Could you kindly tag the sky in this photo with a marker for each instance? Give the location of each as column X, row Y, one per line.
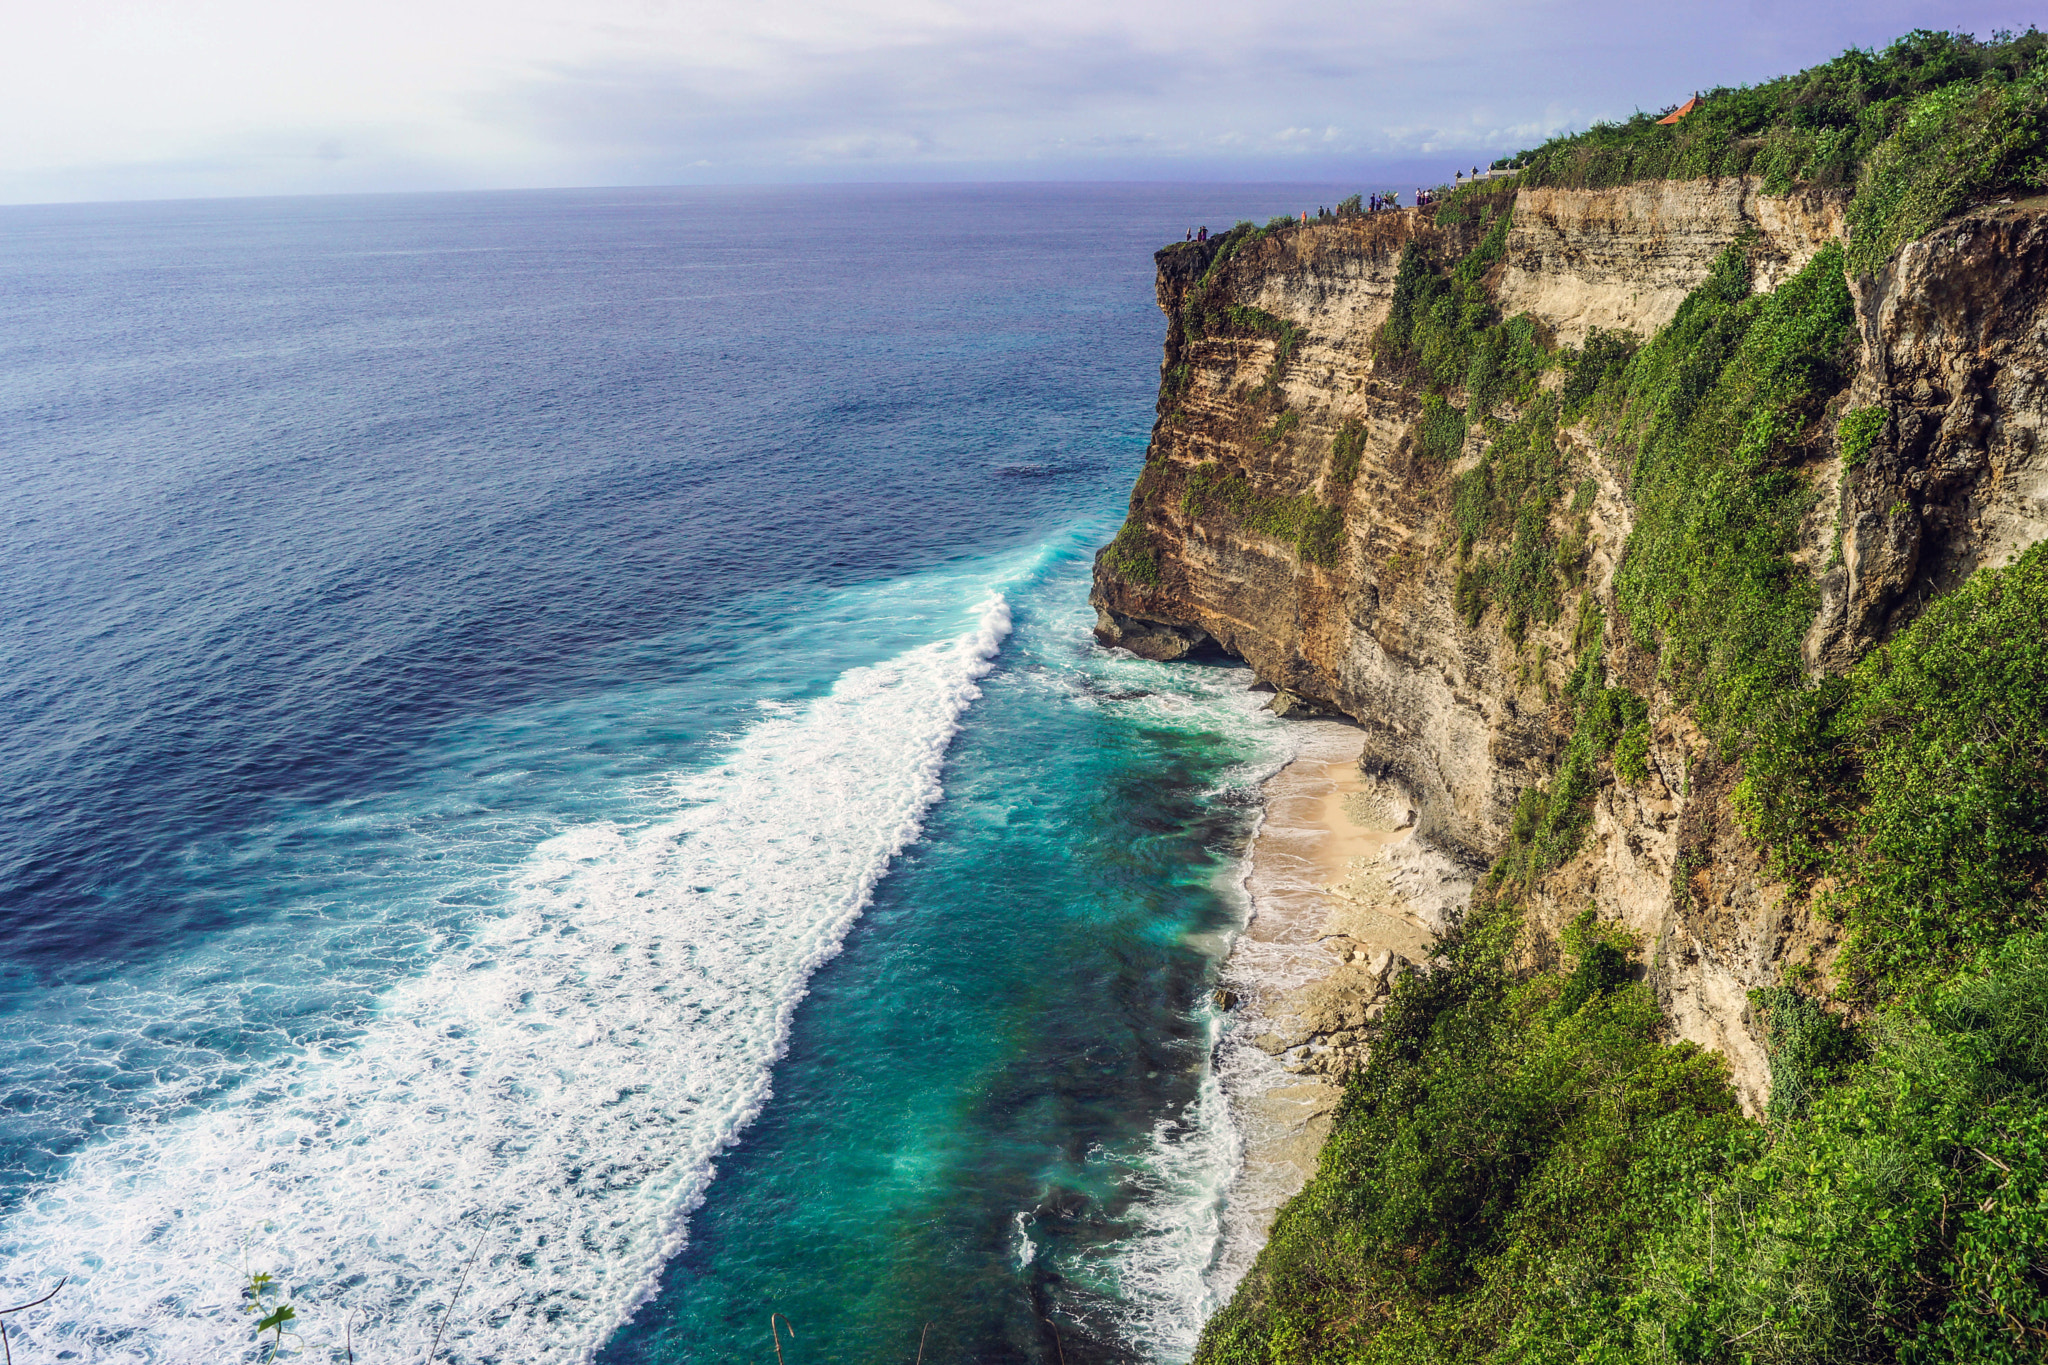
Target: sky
column 140, row 99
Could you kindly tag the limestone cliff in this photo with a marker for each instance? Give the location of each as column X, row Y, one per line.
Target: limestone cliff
column 1280, row 406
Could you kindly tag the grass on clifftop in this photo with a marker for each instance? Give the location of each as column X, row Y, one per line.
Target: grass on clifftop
column 1926, row 127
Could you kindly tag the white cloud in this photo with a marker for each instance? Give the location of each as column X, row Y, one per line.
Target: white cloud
column 121, row 98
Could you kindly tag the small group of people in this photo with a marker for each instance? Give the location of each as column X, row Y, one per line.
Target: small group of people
column 1378, row 203
column 1352, row 207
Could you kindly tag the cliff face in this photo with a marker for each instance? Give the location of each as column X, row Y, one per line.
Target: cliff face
column 1627, row 257
column 1955, row 348
column 1458, row 717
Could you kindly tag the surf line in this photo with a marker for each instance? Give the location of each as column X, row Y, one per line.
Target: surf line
column 547, row 1099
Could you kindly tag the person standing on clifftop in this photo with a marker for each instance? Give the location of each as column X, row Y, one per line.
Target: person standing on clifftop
column 1203, row 235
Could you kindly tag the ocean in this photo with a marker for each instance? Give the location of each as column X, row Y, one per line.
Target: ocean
column 558, row 797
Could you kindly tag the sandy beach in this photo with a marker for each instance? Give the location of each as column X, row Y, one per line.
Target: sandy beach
column 1344, row 898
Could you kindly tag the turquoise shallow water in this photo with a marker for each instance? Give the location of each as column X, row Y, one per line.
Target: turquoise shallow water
column 996, row 1115
column 552, row 751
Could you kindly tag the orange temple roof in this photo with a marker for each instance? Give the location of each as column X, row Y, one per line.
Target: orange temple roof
column 1681, row 111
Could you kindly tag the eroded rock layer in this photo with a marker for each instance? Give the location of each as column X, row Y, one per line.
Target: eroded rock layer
column 1281, row 412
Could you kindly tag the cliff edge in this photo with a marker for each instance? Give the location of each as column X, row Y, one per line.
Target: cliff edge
column 1299, row 508
column 1668, row 515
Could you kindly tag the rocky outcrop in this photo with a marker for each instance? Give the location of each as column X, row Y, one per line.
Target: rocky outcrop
column 1159, row 641
column 1955, row 351
column 1456, row 715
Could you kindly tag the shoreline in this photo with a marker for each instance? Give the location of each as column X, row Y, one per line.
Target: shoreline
column 1344, row 897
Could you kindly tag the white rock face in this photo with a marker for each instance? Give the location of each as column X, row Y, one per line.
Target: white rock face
column 1625, row 258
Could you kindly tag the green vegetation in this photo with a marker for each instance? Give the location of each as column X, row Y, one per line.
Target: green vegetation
column 1346, row 450
column 1527, row 1169
column 1858, row 432
column 1315, row 528
column 264, row 1297
column 1599, row 363
column 1929, row 126
column 1132, row 555
column 1526, row 1172
column 1495, row 1166
column 1440, row 435
column 1444, row 328
column 1511, row 492
column 1199, row 319
column 1474, row 203
column 1195, row 318
column 1917, row 784
column 1282, row 424
column 1716, row 409
column 1286, row 339
column 1173, row 386
column 1903, row 1217
column 1549, row 820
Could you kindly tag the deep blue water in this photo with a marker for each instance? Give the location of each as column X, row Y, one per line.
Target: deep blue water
column 472, row 663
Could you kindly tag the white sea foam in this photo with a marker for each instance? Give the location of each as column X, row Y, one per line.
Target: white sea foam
column 1027, row 1250
column 1176, row 1265
column 1162, row 1267
column 548, row 1098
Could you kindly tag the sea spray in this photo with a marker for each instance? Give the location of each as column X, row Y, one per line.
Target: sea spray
column 548, row 1099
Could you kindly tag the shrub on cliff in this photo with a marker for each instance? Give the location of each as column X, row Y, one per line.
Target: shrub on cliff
column 1510, row 493
column 1918, row 783
column 1315, row 528
column 1928, row 126
column 1608, row 724
column 1904, row 1218
column 1443, row 325
column 1525, row 1171
column 1716, row 408
column 1512, row 1137
column 1132, row 555
column 1601, row 363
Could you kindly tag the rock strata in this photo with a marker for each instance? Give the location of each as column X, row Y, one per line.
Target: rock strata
column 1455, row 720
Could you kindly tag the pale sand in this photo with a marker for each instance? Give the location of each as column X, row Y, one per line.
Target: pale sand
column 1319, row 895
